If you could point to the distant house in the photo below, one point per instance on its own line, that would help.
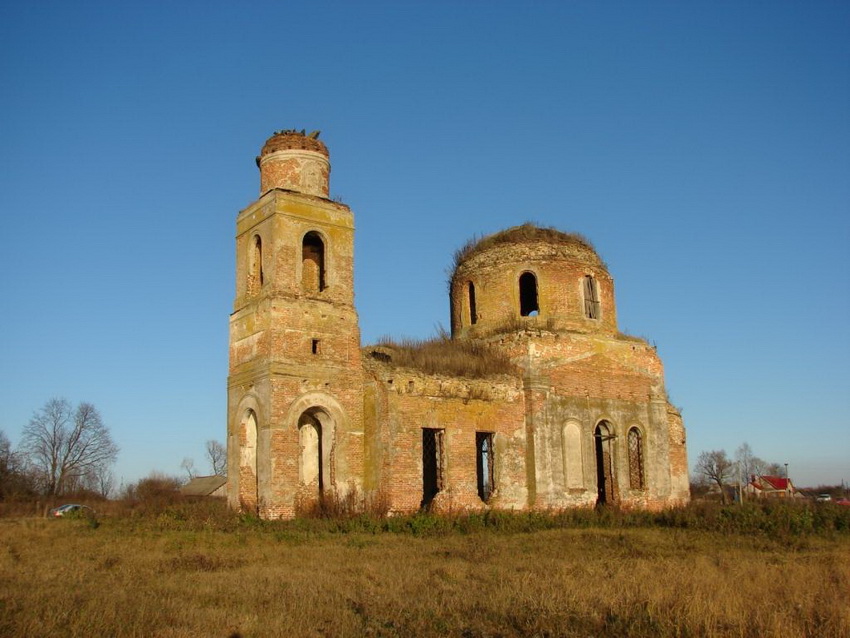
(770, 487)
(206, 486)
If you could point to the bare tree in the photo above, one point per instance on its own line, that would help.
(63, 445)
(188, 464)
(716, 467)
(100, 479)
(745, 462)
(15, 480)
(750, 465)
(774, 469)
(217, 456)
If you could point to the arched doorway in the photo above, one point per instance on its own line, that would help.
(248, 500)
(315, 442)
(606, 485)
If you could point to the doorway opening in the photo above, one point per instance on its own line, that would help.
(432, 464)
(606, 487)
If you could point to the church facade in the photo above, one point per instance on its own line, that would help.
(534, 401)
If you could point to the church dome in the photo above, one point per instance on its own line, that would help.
(530, 276)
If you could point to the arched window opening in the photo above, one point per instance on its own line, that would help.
(484, 465)
(473, 311)
(255, 266)
(605, 485)
(636, 476)
(528, 306)
(311, 461)
(313, 263)
(248, 463)
(591, 298)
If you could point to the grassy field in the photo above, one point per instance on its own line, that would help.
(199, 571)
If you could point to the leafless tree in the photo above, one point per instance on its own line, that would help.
(217, 456)
(100, 479)
(716, 467)
(188, 465)
(15, 480)
(774, 469)
(62, 445)
(750, 465)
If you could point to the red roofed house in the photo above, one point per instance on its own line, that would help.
(770, 487)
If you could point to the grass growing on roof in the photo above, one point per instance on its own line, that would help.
(443, 355)
(527, 232)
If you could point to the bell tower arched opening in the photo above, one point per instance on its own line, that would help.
(313, 276)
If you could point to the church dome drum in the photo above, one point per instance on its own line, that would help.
(529, 276)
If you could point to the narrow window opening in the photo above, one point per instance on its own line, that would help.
(432, 464)
(473, 312)
(484, 465)
(315, 346)
(591, 298)
(313, 263)
(528, 306)
(636, 477)
(255, 267)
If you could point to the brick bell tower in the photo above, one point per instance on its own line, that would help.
(295, 392)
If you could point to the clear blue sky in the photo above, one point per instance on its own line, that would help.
(703, 147)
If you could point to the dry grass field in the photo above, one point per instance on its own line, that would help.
(211, 573)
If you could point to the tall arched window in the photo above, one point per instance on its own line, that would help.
(528, 305)
(591, 298)
(255, 266)
(313, 263)
(636, 478)
(473, 311)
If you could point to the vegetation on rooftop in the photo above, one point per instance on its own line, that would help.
(525, 233)
(443, 355)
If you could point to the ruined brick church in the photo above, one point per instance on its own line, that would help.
(535, 401)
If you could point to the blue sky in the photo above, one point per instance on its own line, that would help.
(703, 147)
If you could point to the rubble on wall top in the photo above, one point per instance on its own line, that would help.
(289, 139)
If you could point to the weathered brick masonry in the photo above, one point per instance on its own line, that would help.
(577, 414)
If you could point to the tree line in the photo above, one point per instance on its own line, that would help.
(63, 450)
(716, 468)
(67, 450)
